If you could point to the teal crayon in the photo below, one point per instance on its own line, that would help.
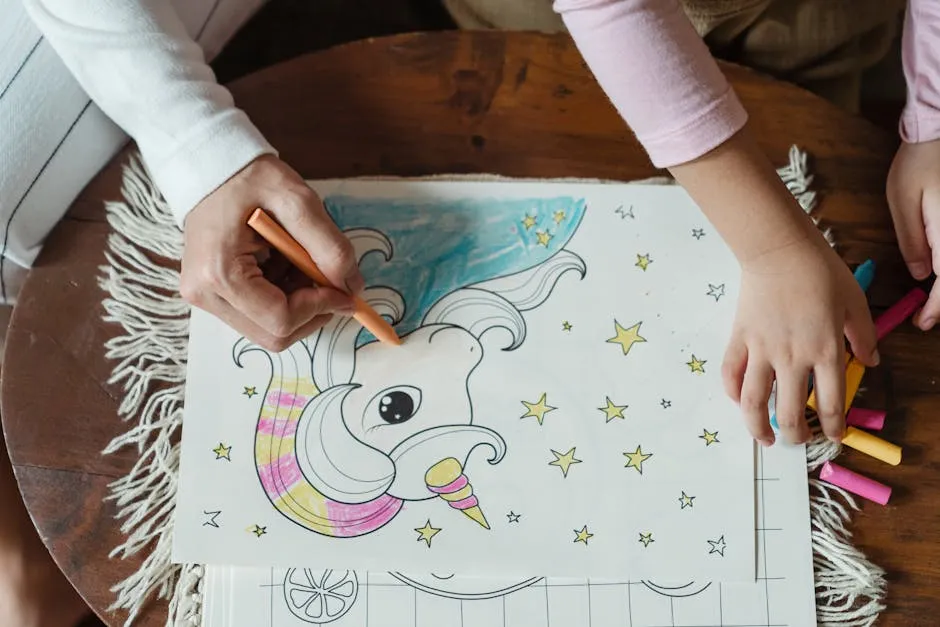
(865, 274)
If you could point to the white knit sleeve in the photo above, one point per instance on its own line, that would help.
(137, 62)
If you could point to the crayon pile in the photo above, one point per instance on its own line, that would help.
(861, 422)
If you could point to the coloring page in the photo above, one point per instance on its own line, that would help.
(783, 594)
(555, 408)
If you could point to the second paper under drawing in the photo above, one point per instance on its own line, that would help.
(555, 407)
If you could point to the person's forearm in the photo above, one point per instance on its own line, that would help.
(742, 195)
(920, 53)
(136, 61)
(658, 73)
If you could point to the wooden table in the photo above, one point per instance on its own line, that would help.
(519, 105)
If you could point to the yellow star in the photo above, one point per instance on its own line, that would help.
(427, 532)
(612, 411)
(223, 452)
(528, 222)
(537, 410)
(564, 461)
(258, 530)
(582, 536)
(559, 216)
(643, 262)
(685, 500)
(250, 391)
(646, 538)
(626, 337)
(636, 459)
(543, 237)
(710, 437)
(696, 365)
(565, 326)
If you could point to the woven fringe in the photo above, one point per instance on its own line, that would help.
(143, 298)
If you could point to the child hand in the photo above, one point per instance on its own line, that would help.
(914, 198)
(795, 304)
(221, 272)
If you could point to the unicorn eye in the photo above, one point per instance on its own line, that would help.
(398, 404)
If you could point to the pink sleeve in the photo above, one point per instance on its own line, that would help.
(920, 53)
(658, 73)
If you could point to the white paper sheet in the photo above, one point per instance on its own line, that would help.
(561, 361)
(782, 596)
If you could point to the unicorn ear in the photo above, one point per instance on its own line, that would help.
(338, 465)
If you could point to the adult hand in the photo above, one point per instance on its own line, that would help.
(914, 198)
(221, 271)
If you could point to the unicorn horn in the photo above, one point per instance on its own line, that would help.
(446, 479)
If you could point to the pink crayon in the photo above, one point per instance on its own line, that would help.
(855, 483)
(871, 419)
(899, 312)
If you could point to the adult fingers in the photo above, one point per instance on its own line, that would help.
(733, 367)
(791, 403)
(306, 219)
(278, 314)
(829, 387)
(758, 381)
(905, 202)
(223, 310)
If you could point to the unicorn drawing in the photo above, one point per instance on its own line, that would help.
(349, 431)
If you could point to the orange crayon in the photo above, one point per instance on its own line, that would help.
(276, 236)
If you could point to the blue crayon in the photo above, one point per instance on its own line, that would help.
(865, 274)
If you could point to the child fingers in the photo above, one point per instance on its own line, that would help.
(829, 386)
(792, 386)
(733, 368)
(905, 204)
(755, 392)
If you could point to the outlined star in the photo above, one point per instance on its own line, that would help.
(566, 326)
(582, 536)
(537, 410)
(612, 411)
(558, 216)
(528, 222)
(626, 338)
(717, 546)
(211, 520)
(696, 365)
(564, 461)
(710, 437)
(427, 532)
(543, 238)
(258, 530)
(624, 214)
(685, 500)
(646, 538)
(513, 517)
(716, 291)
(698, 233)
(250, 391)
(636, 459)
(643, 262)
(223, 452)
(666, 404)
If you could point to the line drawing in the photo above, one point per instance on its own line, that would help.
(342, 444)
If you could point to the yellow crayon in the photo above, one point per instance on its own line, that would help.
(872, 445)
(854, 371)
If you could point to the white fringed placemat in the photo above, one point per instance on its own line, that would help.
(150, 355)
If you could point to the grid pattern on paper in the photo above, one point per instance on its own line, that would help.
(382, 600)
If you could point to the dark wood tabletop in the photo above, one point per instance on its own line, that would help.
(514, 104)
